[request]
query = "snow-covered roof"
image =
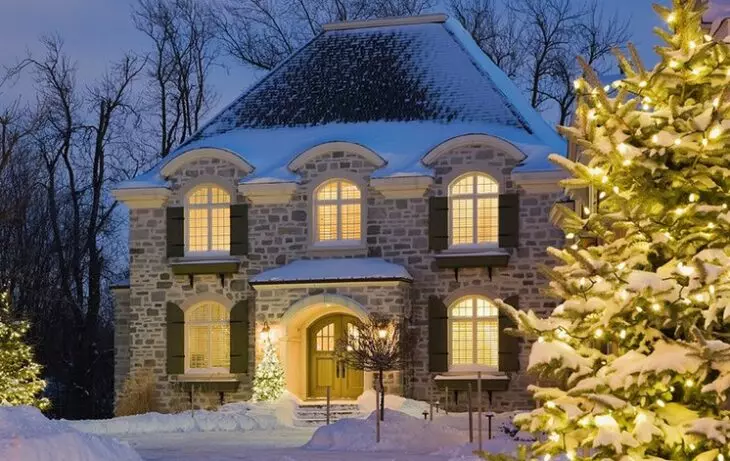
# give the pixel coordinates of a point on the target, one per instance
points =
(333, 270)
(399, 89)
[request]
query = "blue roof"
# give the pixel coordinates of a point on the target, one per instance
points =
(333, 270)
(414, 87)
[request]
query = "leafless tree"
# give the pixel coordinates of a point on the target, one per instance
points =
(261, 33)
(76, 141)
(380, 344)
(179, 66)
(536, 42)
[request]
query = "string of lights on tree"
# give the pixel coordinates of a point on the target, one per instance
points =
(636, 359)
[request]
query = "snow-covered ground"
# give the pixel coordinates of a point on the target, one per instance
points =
(27, 435)
(257, 432)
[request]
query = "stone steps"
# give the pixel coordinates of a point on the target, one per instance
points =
(315, 414)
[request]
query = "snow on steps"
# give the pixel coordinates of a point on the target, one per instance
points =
(310, 414)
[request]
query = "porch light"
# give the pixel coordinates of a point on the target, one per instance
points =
(265, 332)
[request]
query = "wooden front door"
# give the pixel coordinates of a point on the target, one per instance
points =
(324, 368)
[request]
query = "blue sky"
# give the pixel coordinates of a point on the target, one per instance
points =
(99, 31)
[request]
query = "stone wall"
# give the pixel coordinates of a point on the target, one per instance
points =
(121, 338)
(394, 229)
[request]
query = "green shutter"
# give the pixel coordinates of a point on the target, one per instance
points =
(438, 223)
(509, 220)
(239, 229)
(239, 337)
(438, 324)
(175, 231)
(175, 318)
(509, 345)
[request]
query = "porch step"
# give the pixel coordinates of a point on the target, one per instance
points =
(315, 414)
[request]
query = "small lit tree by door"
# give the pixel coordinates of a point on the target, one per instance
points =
(378, 345)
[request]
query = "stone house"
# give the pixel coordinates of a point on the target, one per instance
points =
(387, 166)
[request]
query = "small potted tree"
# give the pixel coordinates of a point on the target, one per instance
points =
(379, 344)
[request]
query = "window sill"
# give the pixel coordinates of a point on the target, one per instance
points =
(205, 264)
(205, 378)
(491, 381)
(455, 258)
(337, 247)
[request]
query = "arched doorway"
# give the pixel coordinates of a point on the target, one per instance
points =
(324, 367)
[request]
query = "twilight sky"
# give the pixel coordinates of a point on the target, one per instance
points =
(99, 31)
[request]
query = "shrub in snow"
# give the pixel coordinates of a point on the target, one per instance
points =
(27, 435)
(639, 349)
(138, 394)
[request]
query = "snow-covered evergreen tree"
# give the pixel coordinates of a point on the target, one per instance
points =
(268, 382)
(638, 353)
(20, 382)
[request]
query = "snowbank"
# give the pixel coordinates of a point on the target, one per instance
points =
(399, 432)
(414, 408)
(233, 417)
(27, 435)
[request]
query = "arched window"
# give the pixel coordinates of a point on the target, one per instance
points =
(208, 220)
(474, 334)
(474, 207)
(207, 338)
(337, 211)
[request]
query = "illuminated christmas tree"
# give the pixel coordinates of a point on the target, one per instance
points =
(638, 353)
(268, 382)
(20, 382)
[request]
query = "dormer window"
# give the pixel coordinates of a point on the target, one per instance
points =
(208, 218)
(474, 209)
(338, 212)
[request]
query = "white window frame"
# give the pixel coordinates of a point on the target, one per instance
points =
(210, 206)
(338, 202)
(474, 196)
(208, 370)
(474, 320)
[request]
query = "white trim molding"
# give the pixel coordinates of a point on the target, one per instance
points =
(300, 160)
(395, 187)
(472, 139)
(178, 161)
(540, 181)
(268, 193)
(152, 197)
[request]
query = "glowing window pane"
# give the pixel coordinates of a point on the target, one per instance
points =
(474, 332)
(337, 207)
(325, 338)
(208, 336)
(487, 342)
(327, 222)
(208, 219)
(462, 346)
(351, 222)
(474, 208)
(462, 221)
(487, 224)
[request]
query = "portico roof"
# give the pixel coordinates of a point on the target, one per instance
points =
(333, 270)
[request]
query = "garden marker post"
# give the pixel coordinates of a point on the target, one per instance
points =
(430, 403)
(469, 410)
(328, 405)
(377, 413)
(479, 409)
(446, 402)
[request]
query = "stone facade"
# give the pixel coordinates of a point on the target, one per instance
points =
(395, 229)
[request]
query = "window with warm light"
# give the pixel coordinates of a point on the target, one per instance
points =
(338, 212)
(474, 334)
(474, 207)
(207, 336)
(208, 220)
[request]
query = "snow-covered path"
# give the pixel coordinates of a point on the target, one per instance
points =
(279, 445)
